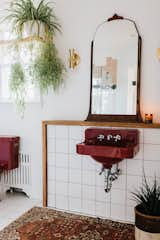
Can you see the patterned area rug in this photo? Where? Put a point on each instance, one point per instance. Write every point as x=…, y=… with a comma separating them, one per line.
x=48, y=224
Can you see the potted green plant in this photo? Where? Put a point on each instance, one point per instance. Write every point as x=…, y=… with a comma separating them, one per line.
x=36, y=58
x=29, y=21
x=147, y=212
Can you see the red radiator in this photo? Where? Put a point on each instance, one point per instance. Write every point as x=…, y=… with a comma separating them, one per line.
x=9, y=152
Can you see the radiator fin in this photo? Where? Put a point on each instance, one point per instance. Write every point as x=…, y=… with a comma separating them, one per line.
x=19, y=177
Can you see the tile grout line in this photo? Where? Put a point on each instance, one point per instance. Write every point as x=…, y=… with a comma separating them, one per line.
x=143, y=170
x=95, y=186
x=68, y=167
x=126, y=194
x=81, y=178
x=55, y=170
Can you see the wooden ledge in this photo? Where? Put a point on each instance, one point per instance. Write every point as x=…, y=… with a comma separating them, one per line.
x=100, y=124
x=23, y=40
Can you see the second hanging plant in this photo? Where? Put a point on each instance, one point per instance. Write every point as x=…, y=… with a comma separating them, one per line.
x=47, y=68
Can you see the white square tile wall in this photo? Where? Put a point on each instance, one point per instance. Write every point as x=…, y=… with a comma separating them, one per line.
x=74, y=183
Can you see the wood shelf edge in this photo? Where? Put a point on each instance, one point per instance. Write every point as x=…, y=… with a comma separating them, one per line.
x=44, y=164
x=100, y=124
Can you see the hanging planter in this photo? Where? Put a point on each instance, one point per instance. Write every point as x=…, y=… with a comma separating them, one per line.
x=33, y=29
x=28, y=20
x=36, y=55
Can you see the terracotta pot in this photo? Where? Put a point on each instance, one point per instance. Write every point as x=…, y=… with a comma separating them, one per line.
x=146, y=227
x=34, y=29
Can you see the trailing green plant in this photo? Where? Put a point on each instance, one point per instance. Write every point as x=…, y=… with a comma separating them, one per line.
x=17, y=86
x=37, y=59
x=148, y=198
x=48, y=69
x=22, y=11
x=45, y=70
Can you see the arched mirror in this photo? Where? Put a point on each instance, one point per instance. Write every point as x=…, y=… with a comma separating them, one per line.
x=115, y=71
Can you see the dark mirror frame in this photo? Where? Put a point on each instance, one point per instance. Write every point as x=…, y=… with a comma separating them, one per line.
x=118, y=118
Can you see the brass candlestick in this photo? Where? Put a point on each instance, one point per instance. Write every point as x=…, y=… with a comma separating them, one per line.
x=148, y=118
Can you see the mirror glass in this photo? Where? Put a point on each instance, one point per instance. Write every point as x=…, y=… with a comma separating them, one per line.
x=114, y=72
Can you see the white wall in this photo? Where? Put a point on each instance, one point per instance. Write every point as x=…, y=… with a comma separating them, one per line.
x=79, y=19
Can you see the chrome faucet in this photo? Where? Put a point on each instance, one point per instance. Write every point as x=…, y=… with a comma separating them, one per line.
x=110, y=175
x=116, y=138
x=109, y=137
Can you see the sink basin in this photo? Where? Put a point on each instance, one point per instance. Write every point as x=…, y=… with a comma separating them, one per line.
x=109, y=146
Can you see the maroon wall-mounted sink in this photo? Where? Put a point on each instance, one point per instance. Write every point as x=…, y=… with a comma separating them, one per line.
x=109, y=146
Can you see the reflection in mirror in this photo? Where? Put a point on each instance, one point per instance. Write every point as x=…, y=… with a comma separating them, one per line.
x=115, y=69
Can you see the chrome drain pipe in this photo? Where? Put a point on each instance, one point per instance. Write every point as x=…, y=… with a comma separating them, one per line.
x=110, y=175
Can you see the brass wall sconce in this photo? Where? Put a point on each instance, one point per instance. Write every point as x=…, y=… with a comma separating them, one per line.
x=74, y=58
x=158, y=53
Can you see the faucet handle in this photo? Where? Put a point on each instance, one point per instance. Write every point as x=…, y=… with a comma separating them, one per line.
x=101, y=137
x=117, y=138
